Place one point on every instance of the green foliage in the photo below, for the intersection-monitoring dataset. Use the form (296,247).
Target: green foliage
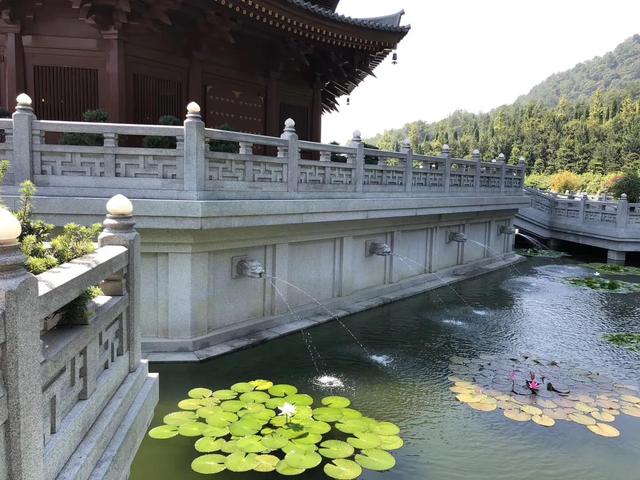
(240,430)
(162,142)
(628,183)
(87,139)
(613,269)
(605,285)
(630,341)
(538,180)
(75,241)
(224,146)
(538,252)
(4,168)
(565,182)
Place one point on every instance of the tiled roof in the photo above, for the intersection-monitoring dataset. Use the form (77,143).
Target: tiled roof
(389,23)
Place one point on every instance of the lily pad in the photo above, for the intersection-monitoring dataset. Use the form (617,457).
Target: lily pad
(342,469)
(582,419)
(213,431)
(255,397)
(302,459)
(392,442)
(604,430)
(385,428)
(242,387)
(261,384)
(283,468)
(336,401)
(375,459)
(239,462)
(299,399)
(209,464)
(543,420)
(336,449)
(243,428)
(517,415)
(308,439)
(274,441)
(191,429)
(232,405)
(209,444)
(364,441)
(350,414)
(282,390)
(327,414)
(603,416)
(163,432)
(178,418)
(225,394)
(353,426)
(251,444)
(266,463)
(483,406)
(200,393)
(189,404)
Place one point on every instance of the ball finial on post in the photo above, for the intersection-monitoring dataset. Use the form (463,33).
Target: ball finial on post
(445,150)
(356,136)
(476,155)
(501,157)
(193,110)
(24,101)
(289,125)
(10,228)
(120,206)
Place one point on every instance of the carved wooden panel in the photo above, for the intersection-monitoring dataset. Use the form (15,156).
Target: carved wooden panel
(64,93)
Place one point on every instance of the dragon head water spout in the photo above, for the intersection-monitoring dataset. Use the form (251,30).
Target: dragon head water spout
(456,237)
(505,230)
(249,268)
(378,248)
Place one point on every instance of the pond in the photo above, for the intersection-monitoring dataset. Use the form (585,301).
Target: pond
(531,307)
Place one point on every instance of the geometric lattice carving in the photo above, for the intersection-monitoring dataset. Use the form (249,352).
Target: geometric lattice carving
(383,177)
(270,172)
(72,164)
(146,166)
(431,180)
(229,170)
(325,173)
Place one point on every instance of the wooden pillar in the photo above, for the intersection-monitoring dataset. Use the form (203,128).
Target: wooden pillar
(113,93)
(316,111)
(273,127)
(14,81)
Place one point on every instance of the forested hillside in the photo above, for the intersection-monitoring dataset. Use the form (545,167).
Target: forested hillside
(600,133)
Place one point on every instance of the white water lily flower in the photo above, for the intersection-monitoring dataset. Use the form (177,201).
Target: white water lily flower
(597,274)
(287,409)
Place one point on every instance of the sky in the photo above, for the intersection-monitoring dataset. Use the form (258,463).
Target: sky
(474,55)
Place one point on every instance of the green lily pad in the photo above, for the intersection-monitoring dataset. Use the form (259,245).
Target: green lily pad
(364,441)
(261,384)
(385,428)
(242,387)
(309,439)
(221,419)
(254,397)
(266,463)
(336,401)
(274,441)
(213,431)
(342,469)
(336,449)
(313,426)
(301,459)
(200,393)
(191,429)
(283,468)
(232,405)
(353,426)
(230,446)
(282,390)
(303,412)
(350,414)
(209,444)
(209,464)
(251,444)
(375,459)
(163,432)
(290,432)
(300,400)
(178,418)
(290,447)
(239,462)
(392,442)
(204,412)
(224,394)
(274,403)
(244,428)
(189,404)
(327,414)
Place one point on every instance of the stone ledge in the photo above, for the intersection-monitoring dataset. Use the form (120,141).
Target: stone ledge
(340,308)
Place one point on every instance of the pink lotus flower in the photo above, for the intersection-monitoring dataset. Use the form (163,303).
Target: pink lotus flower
(513,376)
(533,385)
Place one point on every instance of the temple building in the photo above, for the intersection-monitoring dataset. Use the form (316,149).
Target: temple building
(249,63)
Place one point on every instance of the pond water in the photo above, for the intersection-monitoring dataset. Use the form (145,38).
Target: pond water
(527,308)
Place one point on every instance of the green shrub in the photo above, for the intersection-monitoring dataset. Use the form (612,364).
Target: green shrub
(565,181)
(87,139)
(538,180)
(628,183)
(224,146)
(75,241)
(162,142)
(4,168)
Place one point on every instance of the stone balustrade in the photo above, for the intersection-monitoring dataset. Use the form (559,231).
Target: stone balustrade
(215,164)
(612,225)
(75,400)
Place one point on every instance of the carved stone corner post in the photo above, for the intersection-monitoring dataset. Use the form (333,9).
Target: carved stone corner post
(22,139)
(292,154)
(119,230)
(476,157)
(22,356)
(358,172)
(408,165)
(195,167)
(447,167)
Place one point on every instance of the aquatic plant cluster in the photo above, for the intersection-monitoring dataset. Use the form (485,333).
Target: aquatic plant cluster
(605,285)
(262,427)
(539,252)
(561,392)
(630,341)
(613,269)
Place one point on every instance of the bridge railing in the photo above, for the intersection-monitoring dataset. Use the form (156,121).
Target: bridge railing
(194,162)
(584,211)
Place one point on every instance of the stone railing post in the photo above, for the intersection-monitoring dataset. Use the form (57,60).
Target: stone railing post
(447,168)
(358,167)
(22,139)
(408,166)
(475,156)
(583,207)
(622,212)
(22,356)
(552,205)
(502,162)
(119,230)
(292,154)
(195,171)
(522,165)
(111,142)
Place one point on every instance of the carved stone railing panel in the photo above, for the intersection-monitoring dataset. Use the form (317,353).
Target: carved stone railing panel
(147,166)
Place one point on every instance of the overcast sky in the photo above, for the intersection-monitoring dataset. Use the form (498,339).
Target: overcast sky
(475,55)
